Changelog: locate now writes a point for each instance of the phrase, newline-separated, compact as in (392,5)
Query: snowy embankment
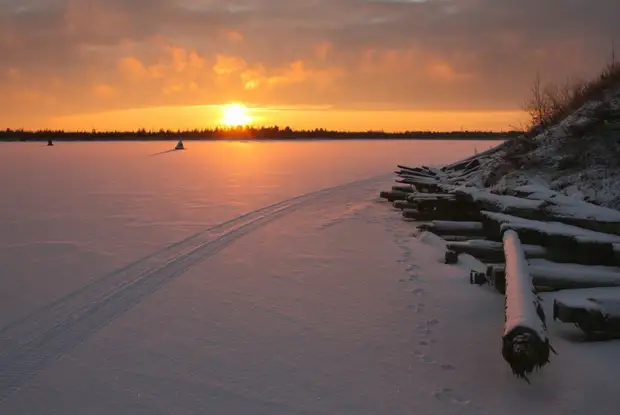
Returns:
(499,212)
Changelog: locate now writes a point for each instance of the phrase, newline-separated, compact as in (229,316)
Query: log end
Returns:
(525,351)
(451,257)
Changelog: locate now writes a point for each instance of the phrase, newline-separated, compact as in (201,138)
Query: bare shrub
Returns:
(551,103)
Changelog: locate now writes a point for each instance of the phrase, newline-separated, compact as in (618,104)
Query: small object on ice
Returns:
(179,145)
(50,143)
(452,257)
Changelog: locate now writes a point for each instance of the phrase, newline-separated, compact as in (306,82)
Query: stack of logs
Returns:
(528,244)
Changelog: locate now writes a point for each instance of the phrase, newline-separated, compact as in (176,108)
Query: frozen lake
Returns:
(80,210)
(250,278)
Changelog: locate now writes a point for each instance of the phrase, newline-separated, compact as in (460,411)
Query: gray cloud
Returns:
(433,54)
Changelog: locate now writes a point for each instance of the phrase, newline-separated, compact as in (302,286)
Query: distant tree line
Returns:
(244,133)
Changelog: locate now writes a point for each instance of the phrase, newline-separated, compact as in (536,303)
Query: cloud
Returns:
(76,55)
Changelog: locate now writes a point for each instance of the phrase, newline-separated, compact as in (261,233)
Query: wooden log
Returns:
(525,345)
(484,154)
(443,227)
(565,276)
(430,215)
(566,243)
(409,176)
(496,278)
(451,257)
(423,170)
(555,207)
(422,184)
(460,238)
(491,202)
(492,251)
(403,204)
(393,196)
(419,215)
(406,189)
(414,174)
(595,316)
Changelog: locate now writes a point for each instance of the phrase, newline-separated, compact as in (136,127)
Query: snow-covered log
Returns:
(423,169)
(403,204)
(425,215)
(422,184)
(595,316)
(393,196)
(444,227)
(492,251)
(432,196)
(460,238)
(415,174)
(406,189)
(525,345)
(483,154)
(565,242)
(565,276)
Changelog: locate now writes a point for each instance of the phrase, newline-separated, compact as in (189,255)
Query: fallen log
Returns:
(525,345)
(432,196)
(444,227)
(496,277)
(566,243)
(564,276)
(424,216)
(414,174)
(447,200)
(422,169)
(393,195)
(404,175)
(427,215)
(451,257)
(460,238)
(406,189)
(558,207)
(595,316)
(492,251)
(431,186)
(483,154)
(485,200)
(403,204)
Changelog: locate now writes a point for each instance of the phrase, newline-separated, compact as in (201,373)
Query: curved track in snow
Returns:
(29,344)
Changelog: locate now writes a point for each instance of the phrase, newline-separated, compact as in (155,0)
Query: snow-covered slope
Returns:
(580,156)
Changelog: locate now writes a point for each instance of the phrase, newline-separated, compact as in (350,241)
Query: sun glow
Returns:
(235,115)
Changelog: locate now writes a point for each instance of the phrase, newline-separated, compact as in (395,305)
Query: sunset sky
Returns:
(343,64)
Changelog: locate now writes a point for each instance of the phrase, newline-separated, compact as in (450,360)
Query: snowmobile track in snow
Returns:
(29,344)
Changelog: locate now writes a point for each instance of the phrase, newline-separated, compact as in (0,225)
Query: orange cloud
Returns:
(322,50)
(226,65)
(389,60)
(132,68)
(293,73)
(104,91)
(233,36)
(444,72)
(13,74)
(33,97)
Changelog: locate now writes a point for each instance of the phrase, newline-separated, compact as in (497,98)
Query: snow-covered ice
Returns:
(196,282)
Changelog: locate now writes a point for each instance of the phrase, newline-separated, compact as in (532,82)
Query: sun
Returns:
(235,115)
